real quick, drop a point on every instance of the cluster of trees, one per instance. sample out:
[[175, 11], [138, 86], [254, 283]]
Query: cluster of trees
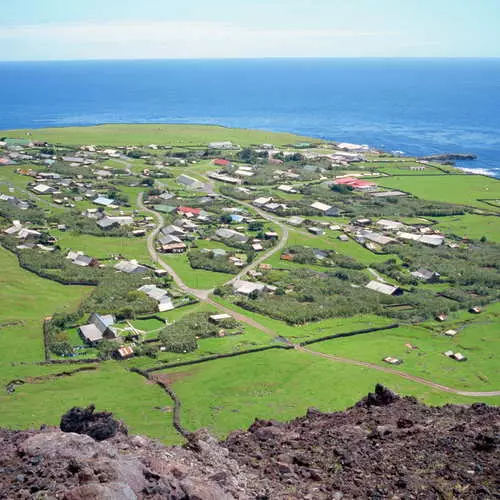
[[357, 204], [249, 155], [53, 265], [472, 270], [116, 293], [56, 337], [182, 335], [235, 193], [210, 262], [304, 295], [396, 271], [313, 296], [308, 255], [118, 196], [10, 212], [65, 170]]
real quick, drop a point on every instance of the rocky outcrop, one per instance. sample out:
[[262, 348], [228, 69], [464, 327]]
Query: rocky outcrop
[[97, 425], [449, 157], [386, 446]]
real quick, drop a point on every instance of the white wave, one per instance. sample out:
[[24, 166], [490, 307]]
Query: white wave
[[480, 171]]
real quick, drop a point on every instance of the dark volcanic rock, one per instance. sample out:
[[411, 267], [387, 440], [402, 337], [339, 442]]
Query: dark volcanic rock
[[450, 157], [381, 397], [97, 425], [385, 447]]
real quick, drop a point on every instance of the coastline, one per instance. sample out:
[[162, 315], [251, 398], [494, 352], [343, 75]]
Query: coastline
[[491, 173]]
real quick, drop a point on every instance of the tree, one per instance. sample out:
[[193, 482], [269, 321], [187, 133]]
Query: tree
[[247, 155], [106, 348], [61, 348], [255, 225], [226, 218]]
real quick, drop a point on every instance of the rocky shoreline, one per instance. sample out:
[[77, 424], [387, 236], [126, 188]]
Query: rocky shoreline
[[449, 157]]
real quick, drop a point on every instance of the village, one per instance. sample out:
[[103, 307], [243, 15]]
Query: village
[[299, 234]]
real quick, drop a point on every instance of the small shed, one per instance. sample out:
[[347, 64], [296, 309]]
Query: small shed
[[218, 318], [125, 352]]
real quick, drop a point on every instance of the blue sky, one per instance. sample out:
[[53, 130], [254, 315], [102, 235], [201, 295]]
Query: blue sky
[[126, 29]]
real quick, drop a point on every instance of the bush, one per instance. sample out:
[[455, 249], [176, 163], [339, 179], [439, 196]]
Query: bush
[[209, 262], [61, 348], [182, 335]]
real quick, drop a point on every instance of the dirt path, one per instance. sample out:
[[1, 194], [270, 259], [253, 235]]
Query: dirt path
[[401, 374]]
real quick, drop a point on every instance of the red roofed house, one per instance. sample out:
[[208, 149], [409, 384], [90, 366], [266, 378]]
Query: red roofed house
[[221, 163], [346, 180], [355, 183], [188, 210]]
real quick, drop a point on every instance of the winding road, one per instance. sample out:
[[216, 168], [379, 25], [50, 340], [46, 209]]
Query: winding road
[[204, 296]]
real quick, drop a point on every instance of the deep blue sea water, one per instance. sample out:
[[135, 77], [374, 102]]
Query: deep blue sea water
[[416, 106]]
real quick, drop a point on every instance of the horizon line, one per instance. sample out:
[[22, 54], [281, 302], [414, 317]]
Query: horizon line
[[264, 58]]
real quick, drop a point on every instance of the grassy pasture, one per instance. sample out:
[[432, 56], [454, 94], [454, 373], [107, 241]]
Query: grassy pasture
[[104, 247], [405, 168], [195, 278], [471, 226], [162, 134], [460, 189], [481, 371], [228, 394], [26, 297], [129, 396]]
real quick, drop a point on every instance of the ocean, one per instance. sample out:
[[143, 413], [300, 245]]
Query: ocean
[[419, 106]]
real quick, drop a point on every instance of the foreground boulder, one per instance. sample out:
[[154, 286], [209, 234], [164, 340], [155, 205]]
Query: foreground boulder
[[386, 446], [97, 425]]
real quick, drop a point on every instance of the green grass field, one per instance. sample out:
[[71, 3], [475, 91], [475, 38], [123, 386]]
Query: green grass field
[[228, 394], [195, 278], [26, 297], [404, 168], [479, 342], [471, 226], [103, 247], [129, 396], [460, 189], [173, 135]]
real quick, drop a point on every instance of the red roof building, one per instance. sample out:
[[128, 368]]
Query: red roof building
[[221, 163], [355, 183], [188, 210]]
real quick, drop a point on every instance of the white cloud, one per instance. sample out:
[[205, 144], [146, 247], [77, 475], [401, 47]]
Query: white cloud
[[181, 39]]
